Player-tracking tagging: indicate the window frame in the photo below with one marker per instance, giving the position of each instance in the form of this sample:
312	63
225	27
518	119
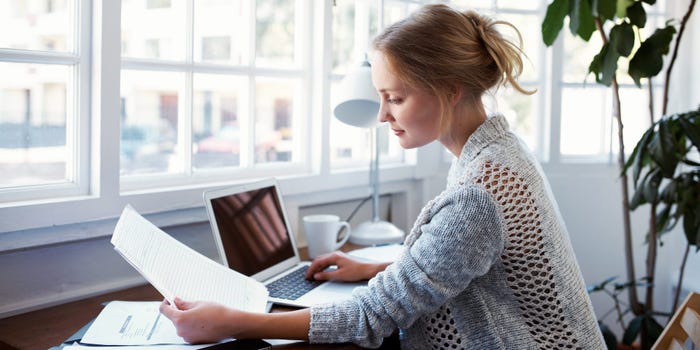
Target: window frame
103	195
77	182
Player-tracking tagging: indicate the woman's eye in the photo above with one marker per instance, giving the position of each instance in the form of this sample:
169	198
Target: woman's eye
393	100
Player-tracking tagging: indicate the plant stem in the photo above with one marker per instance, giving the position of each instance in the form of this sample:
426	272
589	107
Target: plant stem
680	278
684	21
651	258
636	307
620	319
651	102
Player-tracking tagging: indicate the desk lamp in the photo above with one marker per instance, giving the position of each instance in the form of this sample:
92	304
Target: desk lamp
357	104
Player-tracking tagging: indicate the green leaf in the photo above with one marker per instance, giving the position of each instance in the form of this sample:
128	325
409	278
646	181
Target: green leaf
608	336
632	330
622	6
581	21
648	60
637	15
605	9
639	155
691	224
622	38
637	199
650	185
691	129
662	219
668	194
600	286
604	65
554	20
653	329
667	158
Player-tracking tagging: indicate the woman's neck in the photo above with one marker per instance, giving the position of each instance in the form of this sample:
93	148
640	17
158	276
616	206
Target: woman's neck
466	118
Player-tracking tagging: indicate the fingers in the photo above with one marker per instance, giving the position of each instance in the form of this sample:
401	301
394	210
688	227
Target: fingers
326	275
167	309
321	263
182	304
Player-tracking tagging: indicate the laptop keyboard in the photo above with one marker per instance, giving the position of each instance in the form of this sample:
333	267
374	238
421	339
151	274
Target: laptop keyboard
293	285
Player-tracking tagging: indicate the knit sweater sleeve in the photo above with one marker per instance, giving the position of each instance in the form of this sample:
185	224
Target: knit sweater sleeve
460	241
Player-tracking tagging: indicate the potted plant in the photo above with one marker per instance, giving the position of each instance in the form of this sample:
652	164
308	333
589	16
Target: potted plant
665	177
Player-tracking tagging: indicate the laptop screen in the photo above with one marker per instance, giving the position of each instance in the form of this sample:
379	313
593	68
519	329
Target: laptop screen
252	229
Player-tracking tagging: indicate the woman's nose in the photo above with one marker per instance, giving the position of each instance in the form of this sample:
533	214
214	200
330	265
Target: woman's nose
382	114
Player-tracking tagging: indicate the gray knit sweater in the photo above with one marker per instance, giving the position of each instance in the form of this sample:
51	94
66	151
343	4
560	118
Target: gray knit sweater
487	265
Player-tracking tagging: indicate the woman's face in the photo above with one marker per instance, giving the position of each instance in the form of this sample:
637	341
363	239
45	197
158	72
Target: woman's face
412	114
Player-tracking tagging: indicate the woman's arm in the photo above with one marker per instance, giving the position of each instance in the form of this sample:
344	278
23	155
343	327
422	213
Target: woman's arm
348	268
206	322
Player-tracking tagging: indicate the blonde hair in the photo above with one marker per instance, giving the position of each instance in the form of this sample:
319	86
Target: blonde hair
439	49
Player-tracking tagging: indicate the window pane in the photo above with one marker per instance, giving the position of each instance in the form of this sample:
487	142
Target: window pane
149	120
354	24
349	143
275	119
220	31
275	32
153	29
635	115
585	121
522	113
37	25
33	106
529	27
578	55
395	11
519	4
218	130
473	4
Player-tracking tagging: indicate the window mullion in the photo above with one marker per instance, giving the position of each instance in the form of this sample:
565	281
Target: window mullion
185	120
555	108
106	59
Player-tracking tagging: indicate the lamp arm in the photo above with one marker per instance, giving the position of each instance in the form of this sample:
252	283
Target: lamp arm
374	174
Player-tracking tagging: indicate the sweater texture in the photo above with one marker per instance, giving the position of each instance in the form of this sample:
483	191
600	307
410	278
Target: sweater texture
487	265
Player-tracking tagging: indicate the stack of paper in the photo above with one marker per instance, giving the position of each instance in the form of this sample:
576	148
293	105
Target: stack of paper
127	325
176	270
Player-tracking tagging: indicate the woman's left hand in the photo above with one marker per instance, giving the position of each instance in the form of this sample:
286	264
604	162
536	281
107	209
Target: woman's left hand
200	321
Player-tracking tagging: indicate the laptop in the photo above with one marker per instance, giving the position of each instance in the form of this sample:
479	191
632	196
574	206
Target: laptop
253	236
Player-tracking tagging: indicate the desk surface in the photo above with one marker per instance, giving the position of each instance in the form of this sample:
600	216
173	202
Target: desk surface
49	327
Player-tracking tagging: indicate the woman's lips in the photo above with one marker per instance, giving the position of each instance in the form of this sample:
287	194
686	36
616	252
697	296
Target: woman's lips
397	132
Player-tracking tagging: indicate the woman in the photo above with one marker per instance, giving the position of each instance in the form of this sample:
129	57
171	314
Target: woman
488	263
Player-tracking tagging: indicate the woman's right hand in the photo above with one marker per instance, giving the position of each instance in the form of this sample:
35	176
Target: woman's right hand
348	269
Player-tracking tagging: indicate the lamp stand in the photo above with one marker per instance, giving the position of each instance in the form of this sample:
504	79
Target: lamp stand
376	231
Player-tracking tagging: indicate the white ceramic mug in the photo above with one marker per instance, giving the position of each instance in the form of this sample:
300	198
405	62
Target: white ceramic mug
322	233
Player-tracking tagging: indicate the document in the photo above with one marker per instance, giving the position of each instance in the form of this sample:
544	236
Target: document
131	323
177	270
382	253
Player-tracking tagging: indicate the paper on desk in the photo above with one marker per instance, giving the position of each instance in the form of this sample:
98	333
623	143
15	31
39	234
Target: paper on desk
131	323
177	270
382	253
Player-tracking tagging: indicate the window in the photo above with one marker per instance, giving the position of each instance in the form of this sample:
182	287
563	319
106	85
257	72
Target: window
42	103
236	103
221	91
588	131
355	23
524	113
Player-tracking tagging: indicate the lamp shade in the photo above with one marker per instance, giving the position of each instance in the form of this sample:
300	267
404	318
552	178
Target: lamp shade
356	101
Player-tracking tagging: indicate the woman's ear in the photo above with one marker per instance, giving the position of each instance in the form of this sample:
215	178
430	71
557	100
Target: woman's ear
456	95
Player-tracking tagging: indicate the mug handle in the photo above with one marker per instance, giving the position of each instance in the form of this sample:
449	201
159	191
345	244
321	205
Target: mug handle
347	234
